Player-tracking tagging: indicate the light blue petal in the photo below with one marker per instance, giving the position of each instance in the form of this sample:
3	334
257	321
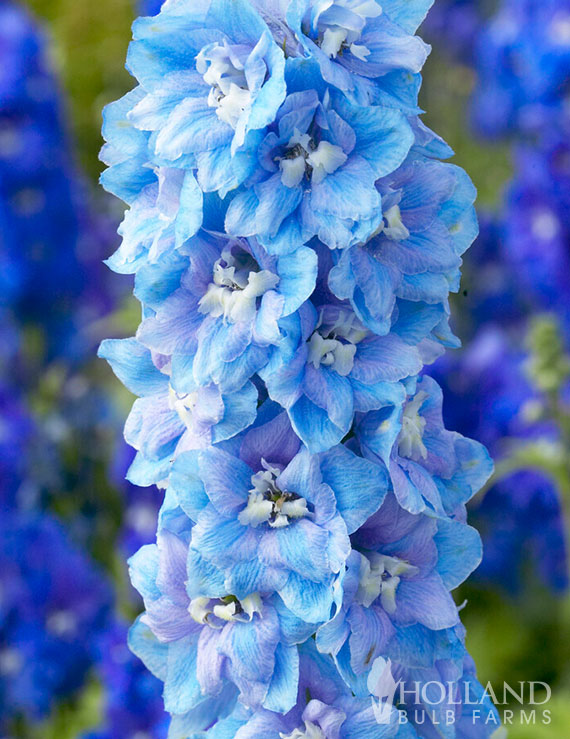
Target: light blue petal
143	571
240	409
313	426
459	552
358	484
189	218
226	479
298	273
309	601
146	646
282	693
181	689
186	484
132	363
408	15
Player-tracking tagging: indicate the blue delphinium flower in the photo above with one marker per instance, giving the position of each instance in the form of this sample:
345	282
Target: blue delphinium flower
294	238
397	579
213	110
317	167
356	43
428	222
352	39
274	517
222	322
171	416
329	366
513	541
216	643
522	58
324	707
431	469
534	227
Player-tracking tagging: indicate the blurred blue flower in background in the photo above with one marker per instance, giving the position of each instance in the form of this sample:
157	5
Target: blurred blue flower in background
56	603
506	388
150	7
51	241
522	58
49	621
133	705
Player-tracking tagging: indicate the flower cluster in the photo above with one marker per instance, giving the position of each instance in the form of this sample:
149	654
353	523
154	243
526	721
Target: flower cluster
294	237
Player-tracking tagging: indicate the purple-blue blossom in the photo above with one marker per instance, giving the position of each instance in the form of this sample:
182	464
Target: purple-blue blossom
294	238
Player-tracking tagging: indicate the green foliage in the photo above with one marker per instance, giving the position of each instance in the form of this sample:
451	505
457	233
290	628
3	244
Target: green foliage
70	720
548	365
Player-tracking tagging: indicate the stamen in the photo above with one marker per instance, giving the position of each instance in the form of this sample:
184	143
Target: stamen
237	283
217	611
183	404
340	25
305	158
334	345
268	504
410	438
311	731
379	578
221	67
394	228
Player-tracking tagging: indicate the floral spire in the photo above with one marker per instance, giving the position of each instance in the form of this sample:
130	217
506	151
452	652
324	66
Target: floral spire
294	237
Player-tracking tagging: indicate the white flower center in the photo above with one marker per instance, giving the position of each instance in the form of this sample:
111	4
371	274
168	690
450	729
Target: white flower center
393	227
334	344
222	68
266	503
339	25
236	285
216	612
304	158
183	404
410	438
311	731
380	576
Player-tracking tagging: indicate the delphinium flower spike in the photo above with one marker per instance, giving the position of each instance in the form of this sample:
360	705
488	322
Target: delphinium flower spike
294	237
